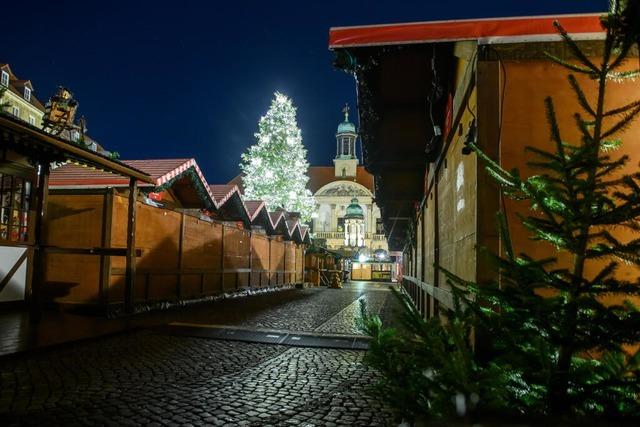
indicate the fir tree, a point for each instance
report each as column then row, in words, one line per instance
column 275, row 169
column 570, row 351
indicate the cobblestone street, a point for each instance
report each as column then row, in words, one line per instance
column 147, row 377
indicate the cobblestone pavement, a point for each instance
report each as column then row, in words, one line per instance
column 297, row 310
column 148, row 378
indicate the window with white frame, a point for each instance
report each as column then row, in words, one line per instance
column 15, row 111
column 27, row 94
column 4, row 78
column 75, row 135
column 32, row 120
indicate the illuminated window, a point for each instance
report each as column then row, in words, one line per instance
column 15, row 201
column 27, row 94
column 15, row 111
column 32, row 120
column 4, row 79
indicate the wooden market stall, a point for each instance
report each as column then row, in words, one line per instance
column 185, row 253
column 26, row 155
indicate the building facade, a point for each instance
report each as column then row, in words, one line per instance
column 347, row 218
column 17, row 98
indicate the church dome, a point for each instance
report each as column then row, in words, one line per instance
column 354, row 211
column 346, row 127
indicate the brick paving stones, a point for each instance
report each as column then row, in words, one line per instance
column 148, row 378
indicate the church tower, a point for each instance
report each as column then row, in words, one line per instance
column 346, row 161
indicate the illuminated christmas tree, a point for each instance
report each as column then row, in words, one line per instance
column 275, row 169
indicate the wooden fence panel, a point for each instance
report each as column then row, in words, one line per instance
column 73, row 221
column 259, row 261
column 277, row 262
column 236, row 259
column 183, row 257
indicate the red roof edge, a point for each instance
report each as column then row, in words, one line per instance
column 491, row 30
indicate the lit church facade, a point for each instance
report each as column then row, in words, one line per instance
column 347, row 218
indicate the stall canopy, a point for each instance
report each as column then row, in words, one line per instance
column 229, row 203
column 404, row 77
column 182, row 177
column 35, row 143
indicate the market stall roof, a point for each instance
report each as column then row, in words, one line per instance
column 229, row 203
column 293, row 230
column 306, row 237
column 259, row 215
column 279, row 222
column 183, row 176
column 35, row 142
column 254, row 207
column 485, row 31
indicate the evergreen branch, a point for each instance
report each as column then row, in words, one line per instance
column 608, row 167
column 553, row 126
column 584, row 129
column 623, row 109
column 605, row 272
column 624, row 75
column 582, row 99
column 571, row 44
column 622, row 124
column 570, row 66
column 623, row 52
column 505, row 236
column 608, row 145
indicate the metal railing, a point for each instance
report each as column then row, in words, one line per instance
column 418, row 291
column 330, row 235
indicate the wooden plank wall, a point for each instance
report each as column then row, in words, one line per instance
column 183, row 257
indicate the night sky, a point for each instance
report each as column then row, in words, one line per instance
column 192, row 78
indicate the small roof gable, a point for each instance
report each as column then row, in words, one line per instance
column 253, row 207
column 237, row 181
column 229, row 203
column 223, row 192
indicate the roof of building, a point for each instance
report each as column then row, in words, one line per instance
column 346, row 127
column 319, row 176
column 35, row 139
column 162, row 172
column 17, row 86
column 485, row 31
column 354, row 210
column 253, row 207
column 223, row 192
